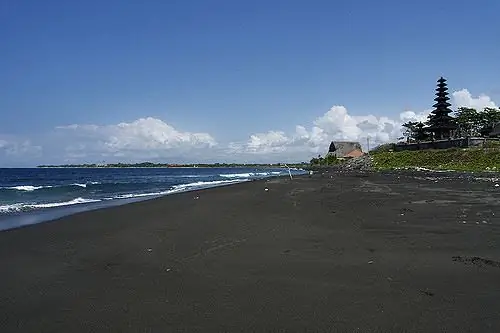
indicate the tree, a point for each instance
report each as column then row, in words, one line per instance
column 489, row 117
column 415, row 130
column 329, row 159
column 409, row 129
column 474, row 123
column 468, row 121
column 421, row 133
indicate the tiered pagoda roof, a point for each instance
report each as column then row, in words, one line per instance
column 440, row 122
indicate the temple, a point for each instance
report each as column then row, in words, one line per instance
column 441, row 124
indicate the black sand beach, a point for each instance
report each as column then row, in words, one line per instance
column 331, row 253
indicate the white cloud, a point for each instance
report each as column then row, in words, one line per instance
column 153, row 139
column 464, row 98
column 17, row 151
column 337, row 124
column 143, row 138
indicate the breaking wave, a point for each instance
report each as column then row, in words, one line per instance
column 21, row 207
column 56, row 191
column 252, row 174
column 30, row 206
column 30, row 188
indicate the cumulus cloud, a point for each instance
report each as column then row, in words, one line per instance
column 464, row 98
column 143, row 138
column 153, row 139
column 335, row 125
column 16, row 151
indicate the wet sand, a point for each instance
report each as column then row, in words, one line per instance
column 328, row 253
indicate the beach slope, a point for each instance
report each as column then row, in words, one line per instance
column 327, row 253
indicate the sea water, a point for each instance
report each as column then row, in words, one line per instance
column 35, row 195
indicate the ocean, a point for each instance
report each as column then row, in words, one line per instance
column 29, row 196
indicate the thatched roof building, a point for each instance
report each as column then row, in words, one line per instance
column 345, row 149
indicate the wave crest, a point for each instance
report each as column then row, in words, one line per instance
column 23, row 207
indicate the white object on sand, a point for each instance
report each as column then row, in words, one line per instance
column 289, row 172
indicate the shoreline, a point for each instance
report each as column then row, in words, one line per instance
column 333, row 251
column 415, row 169
column 46, row 215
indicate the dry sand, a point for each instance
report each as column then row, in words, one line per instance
column 328, row 253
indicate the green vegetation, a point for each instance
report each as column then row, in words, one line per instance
column 456, row 159
column 474, row 123
column 324, row 161
column 386, row 147
column 469, row 122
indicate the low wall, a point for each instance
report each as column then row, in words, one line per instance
column 445, row 144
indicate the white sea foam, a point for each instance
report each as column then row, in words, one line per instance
column 139, row 195
column 30, row 188
column 201, row 184
column 236, row 175
column 27, row 188
column 18, row 207
column 249, row 174
column 179, row 188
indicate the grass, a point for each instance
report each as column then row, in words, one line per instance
column 457, row 159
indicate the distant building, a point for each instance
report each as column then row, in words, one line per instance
column 355, row 153
column 345, row 149
column 441, row 124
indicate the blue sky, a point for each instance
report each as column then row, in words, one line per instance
column 228, row 69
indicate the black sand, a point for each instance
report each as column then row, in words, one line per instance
column 367, row 253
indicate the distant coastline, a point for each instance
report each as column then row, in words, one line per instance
column 167, row 165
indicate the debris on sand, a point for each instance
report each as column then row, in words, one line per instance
column 478, row 261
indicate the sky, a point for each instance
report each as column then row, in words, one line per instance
column 231, row 80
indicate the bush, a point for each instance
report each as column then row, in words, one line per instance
column 457, row 159
column 324, row 161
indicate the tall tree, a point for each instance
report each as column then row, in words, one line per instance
column 468, row 121
column 409, row 129
column 476, row 123
column 415, row 130
column 489, row 118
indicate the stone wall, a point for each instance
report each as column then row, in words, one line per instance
column 445, row 144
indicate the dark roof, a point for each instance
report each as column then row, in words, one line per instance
column 442, row 104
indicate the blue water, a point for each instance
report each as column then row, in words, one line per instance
column 30, row 196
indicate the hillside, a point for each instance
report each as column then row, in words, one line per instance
column 457, row 159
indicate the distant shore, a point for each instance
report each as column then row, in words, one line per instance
column 162, row 166
column 347, row 252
